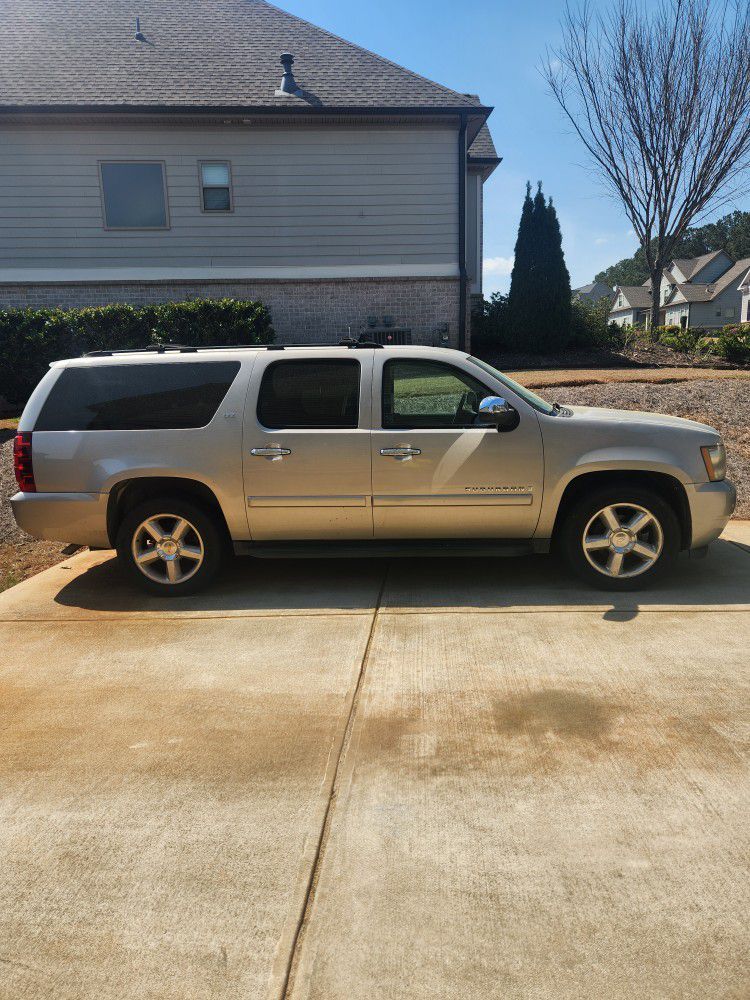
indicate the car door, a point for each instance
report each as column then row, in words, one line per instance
column 306, row 445
column 437, row 472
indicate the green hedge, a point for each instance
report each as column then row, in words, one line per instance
column 32, row 338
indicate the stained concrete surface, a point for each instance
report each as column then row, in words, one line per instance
column 441, row 778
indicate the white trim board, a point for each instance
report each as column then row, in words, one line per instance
column 63, row 275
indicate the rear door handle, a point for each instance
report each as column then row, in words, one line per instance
column 405, row 451
column 271, row 452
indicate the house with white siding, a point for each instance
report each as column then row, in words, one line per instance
column 630, row 305
column 702, row 292
column 744, row 288
column 169, row 150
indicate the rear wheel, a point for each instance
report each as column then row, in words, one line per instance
column 170, row 546
column 620, row 538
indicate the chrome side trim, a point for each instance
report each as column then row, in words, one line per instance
column 328, row 501
column 455, row 500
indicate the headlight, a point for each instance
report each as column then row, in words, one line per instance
column 715, row 460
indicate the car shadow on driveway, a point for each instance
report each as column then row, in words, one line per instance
column 327, row 586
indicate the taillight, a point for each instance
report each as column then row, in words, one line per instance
column 22, row 466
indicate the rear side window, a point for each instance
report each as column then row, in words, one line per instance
column 137, row 397
column 310, row 394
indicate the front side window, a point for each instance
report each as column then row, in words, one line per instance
column 310, row 393
column 428, row 394
column 216, row 188
column 137, row 397
column 134, row 195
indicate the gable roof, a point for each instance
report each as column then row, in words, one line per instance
column 636, row 297
column 692, row 267
column 194, row 54
column 694, row 292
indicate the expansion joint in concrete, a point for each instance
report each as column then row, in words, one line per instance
column 312, row 883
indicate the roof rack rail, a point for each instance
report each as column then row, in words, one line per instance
column 186, row 349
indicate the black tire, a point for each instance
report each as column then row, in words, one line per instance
column 661, row 535
column 203, row 535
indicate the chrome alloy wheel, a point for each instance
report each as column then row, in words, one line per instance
column 167, row 548
column 623, row 540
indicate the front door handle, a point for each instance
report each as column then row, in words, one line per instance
column 273, row 451
column 404, row 451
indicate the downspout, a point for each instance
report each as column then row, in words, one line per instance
column 462, row 275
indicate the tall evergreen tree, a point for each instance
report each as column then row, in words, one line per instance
column 521, row 296
column 539, row 304
column 555, row 330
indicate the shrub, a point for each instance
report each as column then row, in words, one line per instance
column 590, row 328
column 733, row 344
column 489, row 323
column 30, row 339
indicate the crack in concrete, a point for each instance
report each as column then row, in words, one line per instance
column 312, row 882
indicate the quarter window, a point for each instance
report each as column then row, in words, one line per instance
column 137, row 397
column 421, row 394
column 216, row 188
column 134, row 195
column 310, row 394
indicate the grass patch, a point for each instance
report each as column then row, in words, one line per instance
column 8, row 580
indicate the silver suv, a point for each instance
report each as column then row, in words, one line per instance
column 176, row 456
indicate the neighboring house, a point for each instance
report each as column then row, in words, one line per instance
column 165, row 157
column 592, row 293
column 745, row 292
column 703, row 292
column 630, row 305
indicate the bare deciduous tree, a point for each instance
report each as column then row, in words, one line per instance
column 660, row 98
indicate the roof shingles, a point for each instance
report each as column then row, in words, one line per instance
column 196, row 53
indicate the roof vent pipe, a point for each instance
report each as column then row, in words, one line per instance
column 138, row 33
column 288, row 86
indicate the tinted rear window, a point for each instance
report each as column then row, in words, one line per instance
column 137, row 397
column 310, row 394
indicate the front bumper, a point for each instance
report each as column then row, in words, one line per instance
column 711, row 506
column 63, row 517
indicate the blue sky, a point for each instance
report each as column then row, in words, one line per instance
column 493, row 48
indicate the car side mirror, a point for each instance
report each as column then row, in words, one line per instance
column 496, row 410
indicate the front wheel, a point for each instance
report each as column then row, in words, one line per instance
column 620, row 538
column 169, row 546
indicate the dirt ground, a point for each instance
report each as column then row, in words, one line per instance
column 542, row 378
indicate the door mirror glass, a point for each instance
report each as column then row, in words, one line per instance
column 496, row 410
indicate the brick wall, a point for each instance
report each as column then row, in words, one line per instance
column 305, row 311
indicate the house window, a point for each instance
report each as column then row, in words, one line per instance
column 729, row 312
column 619, row 301
column 134, row 195
column 216, row 187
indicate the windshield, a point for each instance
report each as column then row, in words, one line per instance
column 531, row 397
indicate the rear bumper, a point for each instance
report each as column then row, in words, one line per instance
column 711, row 506
column 63, row 517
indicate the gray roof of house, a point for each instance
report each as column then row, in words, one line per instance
column 636, row 296
column 708, row 292
column 694, row 265
column 195, row 54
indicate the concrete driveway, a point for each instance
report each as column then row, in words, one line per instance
column 353, row 781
